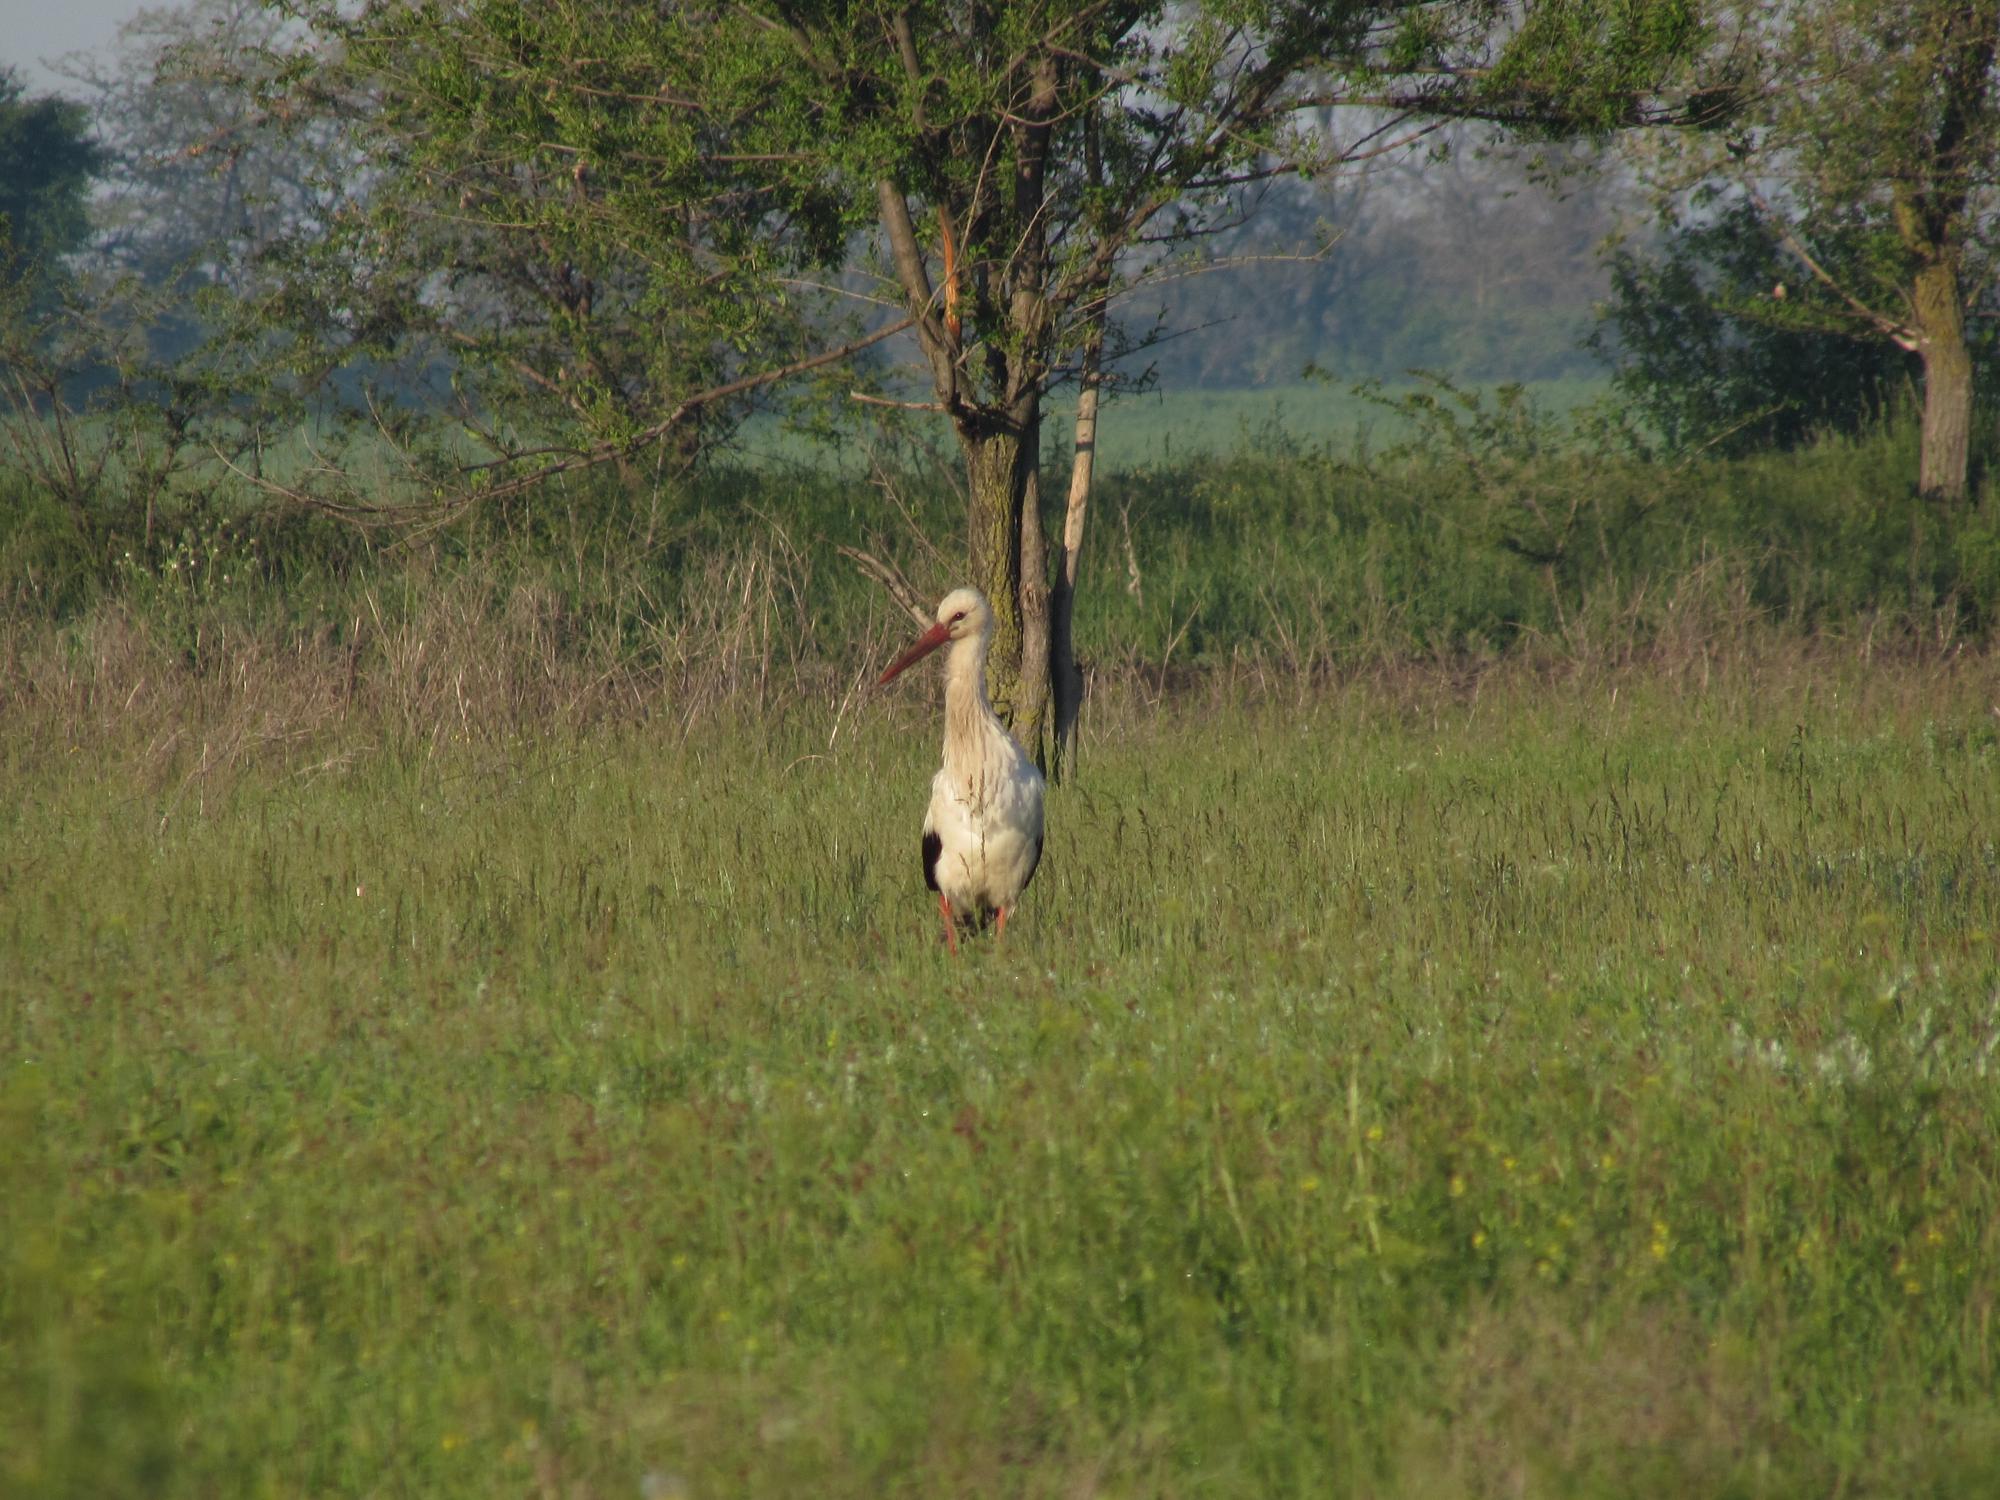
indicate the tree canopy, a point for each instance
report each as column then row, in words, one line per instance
column 1863, row 141
column 610, row 226
column 1716, row 337
column 47, row 161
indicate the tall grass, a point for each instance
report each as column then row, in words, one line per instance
column 1486, row 1084
column 1492, row 1019
column 1283, row 562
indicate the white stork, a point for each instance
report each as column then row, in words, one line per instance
column 983, row 830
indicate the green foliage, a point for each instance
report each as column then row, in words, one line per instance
column 1488, row 523
column 525, row 216
column 1526, row 1088
column 1892, row 116
column 1721, row 339
column 107, row 444
column 1863, row 137
column 1548, row 491
column 607, row 224
column 1457, row 521
column 47, row 161
column 198, row 178
column 1587, row 66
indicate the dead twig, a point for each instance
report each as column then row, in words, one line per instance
column 867, row 400
column 891, row 578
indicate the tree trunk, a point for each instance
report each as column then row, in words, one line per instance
column 1065, row 677
column 1031, row 709
column 1000, row 437
column 999, row 464
column 1947, row 436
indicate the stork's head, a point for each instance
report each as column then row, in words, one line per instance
column 961, row 615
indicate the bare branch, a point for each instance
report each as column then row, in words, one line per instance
column 867, row 400
column 908, row 257
column 891, row 578
column 1894, row 329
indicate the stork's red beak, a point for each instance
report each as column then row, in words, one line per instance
column 926, row 643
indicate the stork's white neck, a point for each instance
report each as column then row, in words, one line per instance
column 968, row 714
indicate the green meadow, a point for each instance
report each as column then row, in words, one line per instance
column 1157, row 429
column 1510, row 1006
column 1502, row 1079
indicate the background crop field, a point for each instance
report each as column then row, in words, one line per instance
column 1441, row 1083
column 1161, row 428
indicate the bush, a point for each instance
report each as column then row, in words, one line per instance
column 1497, row 527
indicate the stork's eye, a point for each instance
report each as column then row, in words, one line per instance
column 957, row 617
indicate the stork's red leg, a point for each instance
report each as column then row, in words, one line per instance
column 950, row 927
column 1000, row 922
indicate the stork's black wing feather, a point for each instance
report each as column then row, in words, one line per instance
column 933, row 847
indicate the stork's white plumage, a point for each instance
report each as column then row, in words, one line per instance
column 983, row 830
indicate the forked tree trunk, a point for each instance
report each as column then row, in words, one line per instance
column 1065, row 677
column 1947, row 436
column 995, row 279
column 999, row 469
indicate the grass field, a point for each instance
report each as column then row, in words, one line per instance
column 1527, row 1084
column 1160, row 428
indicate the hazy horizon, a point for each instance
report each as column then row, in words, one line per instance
column 36, row 35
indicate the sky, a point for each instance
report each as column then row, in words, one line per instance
column 31, row 30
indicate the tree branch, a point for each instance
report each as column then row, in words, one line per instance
column 1894, row 329
column 574, row 459
column 908, row 258
column 892, row 580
